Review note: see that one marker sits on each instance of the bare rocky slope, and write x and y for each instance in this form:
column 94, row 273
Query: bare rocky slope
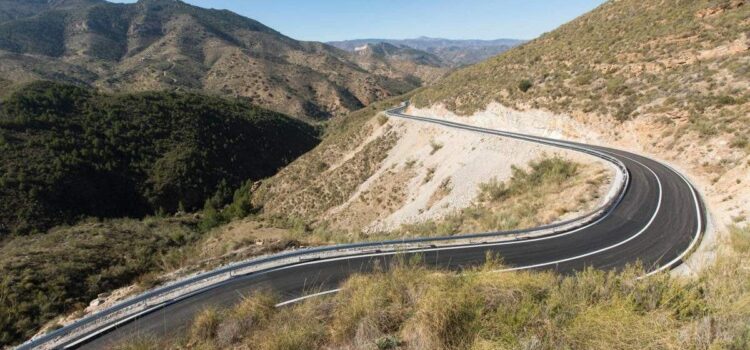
column 170, row 45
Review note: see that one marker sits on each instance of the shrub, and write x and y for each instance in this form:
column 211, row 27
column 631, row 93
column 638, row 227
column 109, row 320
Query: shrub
column 205, row 325
column 525, row 85
column 44, row 276
column 436, row 146
column 740, row 238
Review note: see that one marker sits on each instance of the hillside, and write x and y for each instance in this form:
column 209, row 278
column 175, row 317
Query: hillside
column 400, row 62
column 666, row 78
column 170, row 45
column 69, row 152
column 453, row 52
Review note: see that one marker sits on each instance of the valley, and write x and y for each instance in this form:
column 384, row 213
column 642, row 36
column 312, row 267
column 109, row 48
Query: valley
column 179, row 177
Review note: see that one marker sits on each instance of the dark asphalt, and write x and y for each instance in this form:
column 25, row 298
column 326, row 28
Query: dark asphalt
column 634, row 231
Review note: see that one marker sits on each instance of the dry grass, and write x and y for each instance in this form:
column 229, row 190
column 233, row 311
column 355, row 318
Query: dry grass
column 410, row 307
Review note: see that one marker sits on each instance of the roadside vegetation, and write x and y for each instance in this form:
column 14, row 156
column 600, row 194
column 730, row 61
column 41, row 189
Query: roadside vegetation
column 43, row 276
column 408, row 306
column 58, row 273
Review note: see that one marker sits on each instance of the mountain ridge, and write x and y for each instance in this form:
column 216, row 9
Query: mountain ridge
column 174, row 46
column 456, row 52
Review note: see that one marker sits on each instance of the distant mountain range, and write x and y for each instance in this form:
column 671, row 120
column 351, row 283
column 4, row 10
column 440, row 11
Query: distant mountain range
column 170, row 45
column 452, row 52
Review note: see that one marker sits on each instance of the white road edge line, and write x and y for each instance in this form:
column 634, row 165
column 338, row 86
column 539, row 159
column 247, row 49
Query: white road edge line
column 696, row 201
column 653, row 217
column 296, row 300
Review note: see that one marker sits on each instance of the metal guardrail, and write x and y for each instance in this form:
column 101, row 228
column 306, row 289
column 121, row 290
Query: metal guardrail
column 100, row 322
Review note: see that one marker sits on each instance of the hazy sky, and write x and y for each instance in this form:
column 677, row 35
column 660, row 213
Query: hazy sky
column 326, row 20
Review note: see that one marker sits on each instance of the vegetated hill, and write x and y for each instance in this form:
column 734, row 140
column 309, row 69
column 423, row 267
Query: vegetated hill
column 68, row 152
column 686, row 62
column 170, row 45
column 454, row 52
column 401, row 62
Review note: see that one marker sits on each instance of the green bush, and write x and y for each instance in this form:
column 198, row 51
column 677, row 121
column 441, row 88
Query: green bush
column 525, row 85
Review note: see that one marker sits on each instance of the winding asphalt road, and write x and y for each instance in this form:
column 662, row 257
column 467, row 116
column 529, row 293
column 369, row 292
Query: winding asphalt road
column 657, row 222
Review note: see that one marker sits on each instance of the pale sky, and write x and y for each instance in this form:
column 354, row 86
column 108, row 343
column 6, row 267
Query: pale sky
column 327, row 20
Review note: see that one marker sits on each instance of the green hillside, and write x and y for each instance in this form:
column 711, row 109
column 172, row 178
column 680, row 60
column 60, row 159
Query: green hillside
column 68, row 152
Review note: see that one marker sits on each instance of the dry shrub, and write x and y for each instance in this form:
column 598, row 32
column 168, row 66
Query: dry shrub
column 615, row 325
column 411, row 307
column 251, row 315
column 740, row 239
column 205, row 325
column 445, row 316
column 374, row 306
column 300, row 327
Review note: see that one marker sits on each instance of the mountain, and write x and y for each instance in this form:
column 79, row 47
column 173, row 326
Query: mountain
column 170, row 45
column 454, row 52
column 68, row 152
column 400, row 62
column 626, row 59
